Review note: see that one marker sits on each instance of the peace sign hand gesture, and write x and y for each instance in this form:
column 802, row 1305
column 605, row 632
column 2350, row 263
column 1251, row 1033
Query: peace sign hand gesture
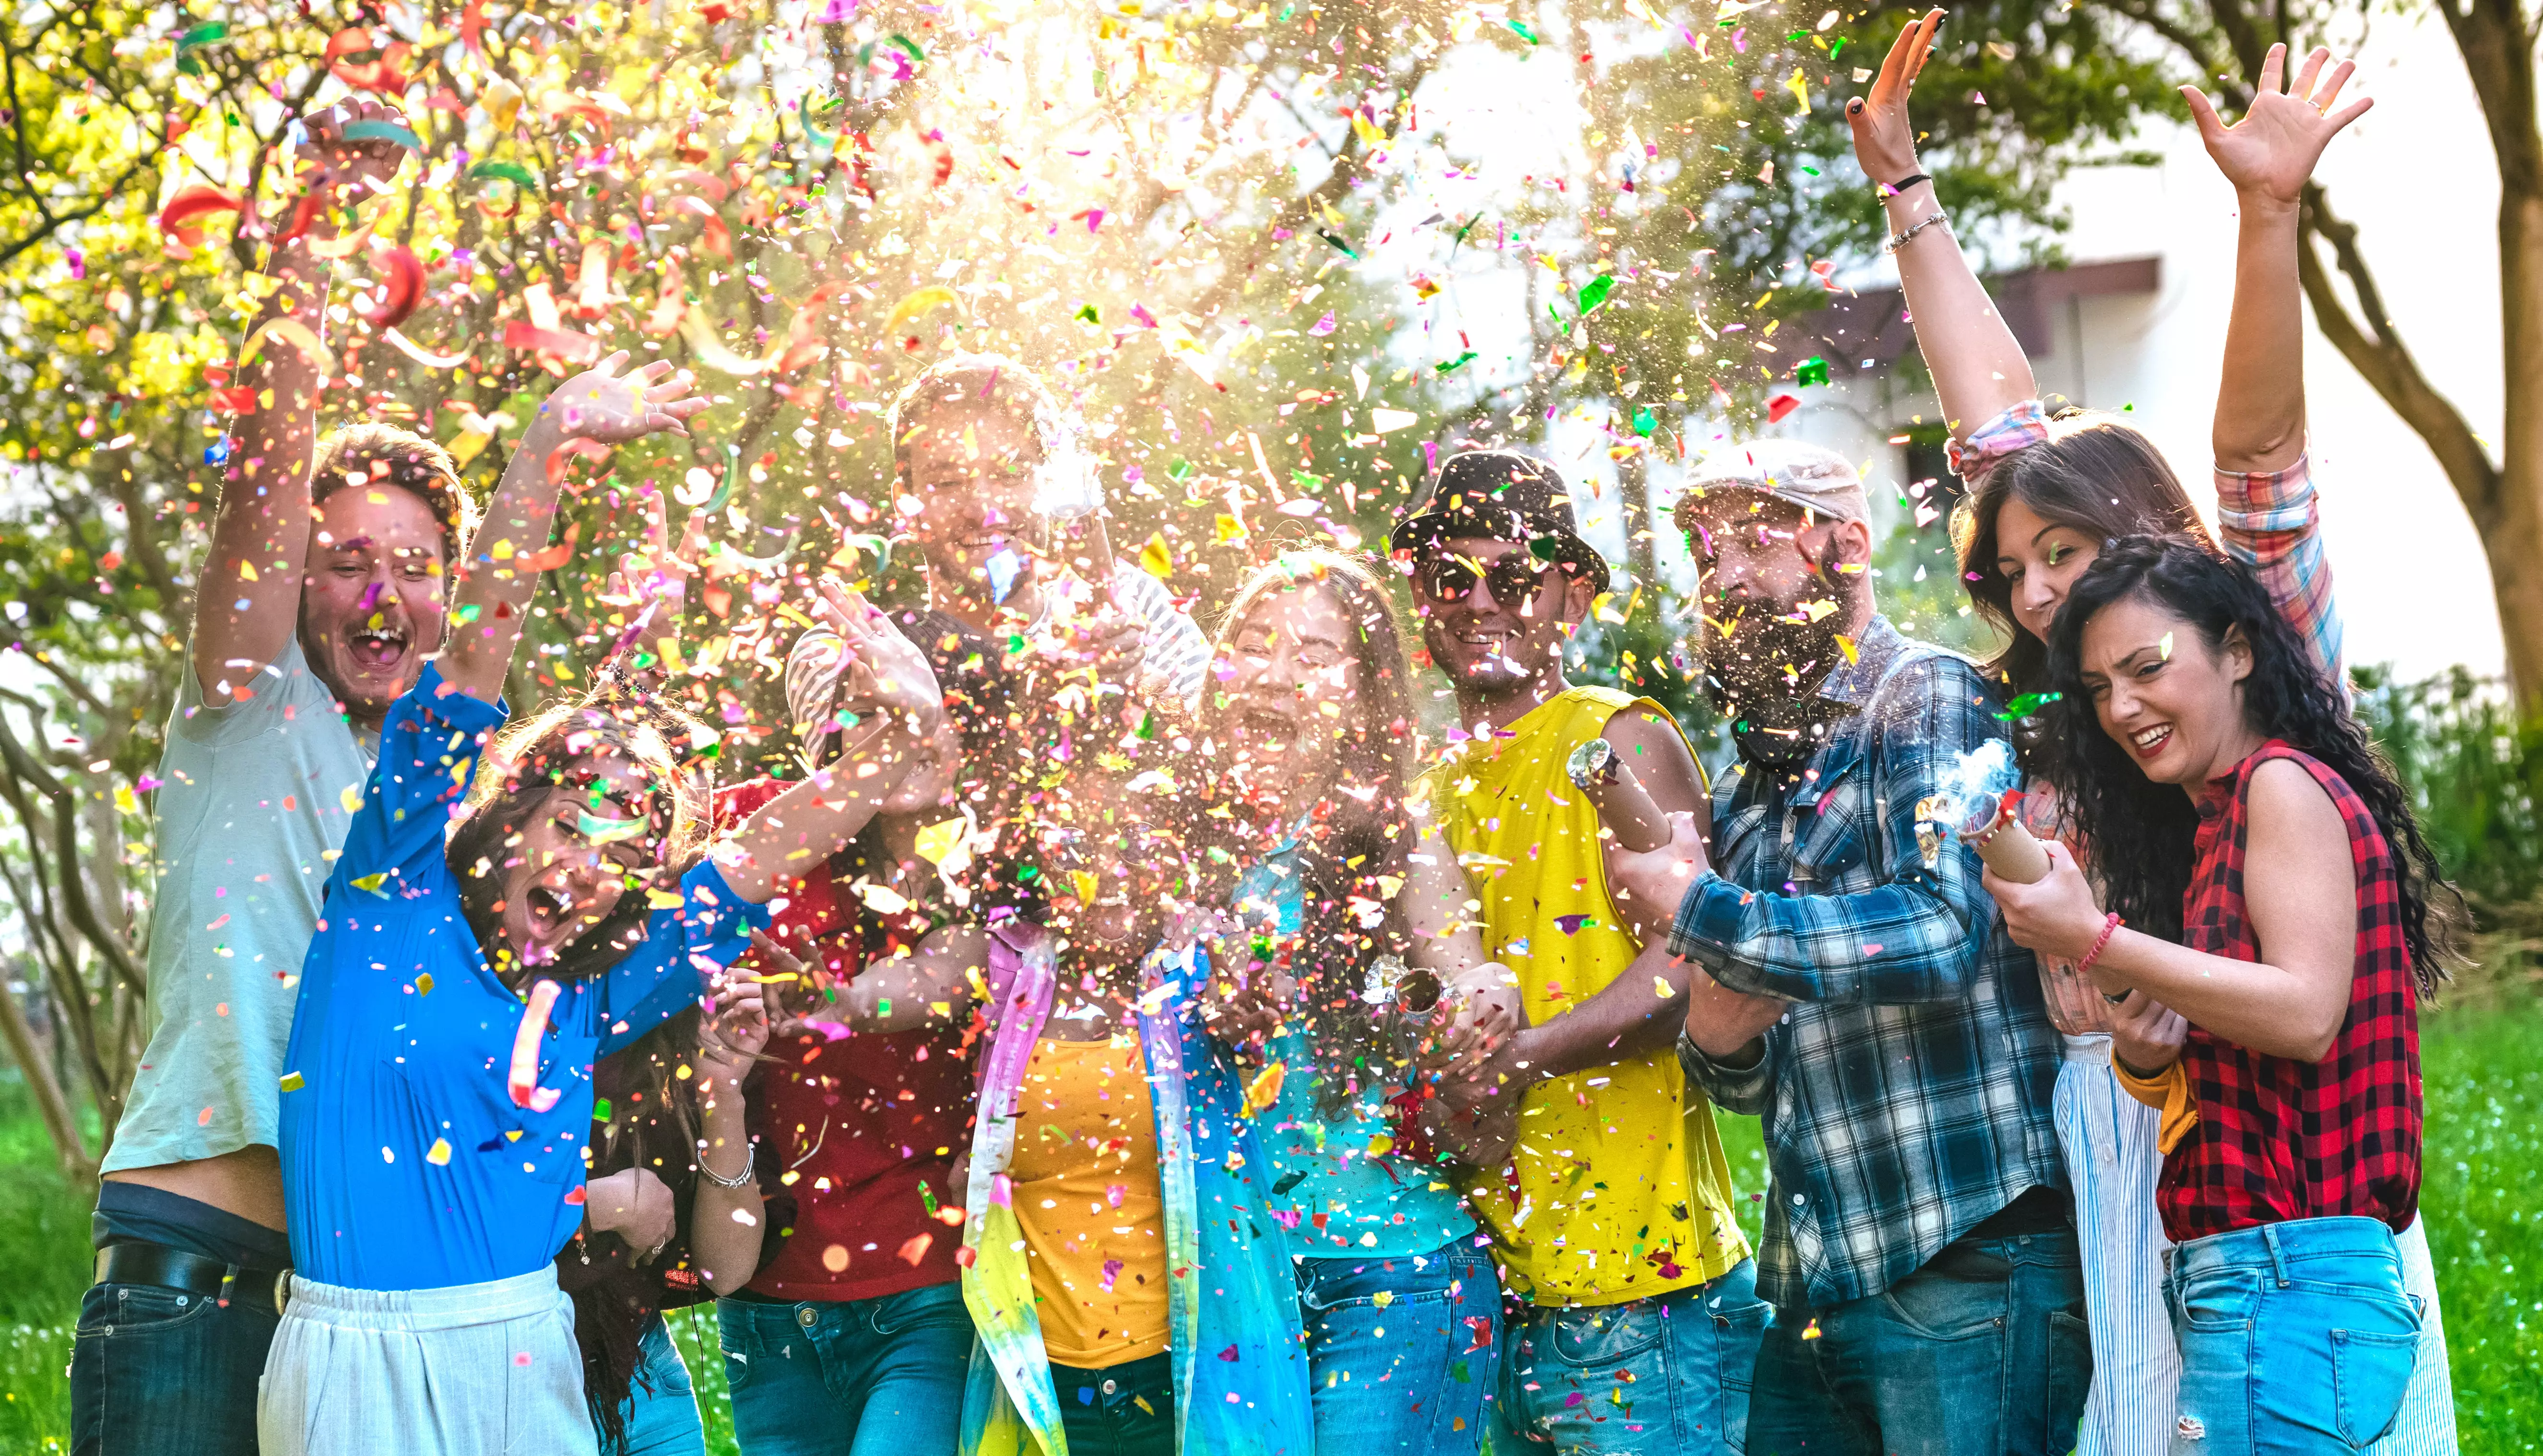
column 2269, row 154
column 1885, row 140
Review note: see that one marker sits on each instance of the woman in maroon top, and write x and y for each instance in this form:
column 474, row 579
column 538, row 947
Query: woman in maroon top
column 2268, row 881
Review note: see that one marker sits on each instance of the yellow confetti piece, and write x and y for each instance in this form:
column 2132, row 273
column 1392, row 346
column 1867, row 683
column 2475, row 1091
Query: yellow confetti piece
column 1265, row 1088
column 1230, row 529
column 1800, row 89
column 424, row 984
column 914, row 303
column 246, row 571
column 1378, row 1147
column 439, row 1156
column 775, row 979
column 937, row 841
column 293, row 1081
column 2167, row 646
column 351, row 797
column 1662, row 988
column 372, row 883
column 1844, row 644
column 1157, row 559
column 1086, row 884
column 663, row 899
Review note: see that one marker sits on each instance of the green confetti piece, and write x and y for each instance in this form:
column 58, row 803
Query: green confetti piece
column 1458, row 363
column 466, row 612
column 1339, row 246
column 1643, row 424
column 910, row 47
column 1837, row 49
column 377, row 130
column 601, row 1110
column 2027, row 705
column 1181, row 470
column 1087, row 314
column 804, row 118
column 1594, row 292
column 511, row 172
column 1810, row 372
column 1525, row 32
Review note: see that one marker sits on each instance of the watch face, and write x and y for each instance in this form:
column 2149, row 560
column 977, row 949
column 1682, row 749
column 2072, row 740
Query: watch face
column 1594, row 762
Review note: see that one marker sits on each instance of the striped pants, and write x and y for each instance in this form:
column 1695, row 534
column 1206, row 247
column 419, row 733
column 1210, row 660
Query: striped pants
column 2108, row 1138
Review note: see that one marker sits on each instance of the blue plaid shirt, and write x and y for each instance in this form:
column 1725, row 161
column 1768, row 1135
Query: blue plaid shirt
column 1906, row 1094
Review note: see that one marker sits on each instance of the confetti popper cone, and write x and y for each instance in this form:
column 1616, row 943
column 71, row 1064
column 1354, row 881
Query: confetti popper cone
column 1624, row 805
column 2009, row 849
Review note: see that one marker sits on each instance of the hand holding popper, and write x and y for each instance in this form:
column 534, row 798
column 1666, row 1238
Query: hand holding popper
column 1625, row 808
column 1977, row 805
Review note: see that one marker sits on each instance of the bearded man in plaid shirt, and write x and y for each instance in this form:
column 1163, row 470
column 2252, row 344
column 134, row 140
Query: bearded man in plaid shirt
column 1919, row 1246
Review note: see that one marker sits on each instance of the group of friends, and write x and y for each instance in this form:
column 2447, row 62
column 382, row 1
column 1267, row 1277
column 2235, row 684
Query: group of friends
column 1108, row 1038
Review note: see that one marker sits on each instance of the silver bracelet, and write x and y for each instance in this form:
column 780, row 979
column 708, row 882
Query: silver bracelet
column 1902, row 240
column 750, row 1171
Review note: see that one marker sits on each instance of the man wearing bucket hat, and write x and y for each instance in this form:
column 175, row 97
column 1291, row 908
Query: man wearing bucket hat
column 1919, row 1246
column 1613, row 1218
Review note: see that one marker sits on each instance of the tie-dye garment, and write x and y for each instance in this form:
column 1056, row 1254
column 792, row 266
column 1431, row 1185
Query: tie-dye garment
column 1239, row 1373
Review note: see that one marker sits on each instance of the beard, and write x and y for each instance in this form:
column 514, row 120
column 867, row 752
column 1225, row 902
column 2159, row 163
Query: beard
column 1764, row 679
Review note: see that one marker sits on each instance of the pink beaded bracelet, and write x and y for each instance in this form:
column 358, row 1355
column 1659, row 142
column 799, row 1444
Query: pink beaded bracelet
column 2109, row 926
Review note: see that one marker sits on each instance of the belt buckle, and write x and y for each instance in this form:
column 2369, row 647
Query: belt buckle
column 281, row 1290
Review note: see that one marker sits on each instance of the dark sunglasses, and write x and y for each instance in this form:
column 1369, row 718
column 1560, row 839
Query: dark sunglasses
column 1512, row 581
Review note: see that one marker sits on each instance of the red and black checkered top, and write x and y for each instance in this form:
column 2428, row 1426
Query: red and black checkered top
column 2278, row 1138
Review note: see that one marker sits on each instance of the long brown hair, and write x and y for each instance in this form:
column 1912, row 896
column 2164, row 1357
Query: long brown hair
column 1360, row 834
column 2094, row 474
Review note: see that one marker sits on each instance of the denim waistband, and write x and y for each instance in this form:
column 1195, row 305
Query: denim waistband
column 2278, row 1247
column 416, row 1310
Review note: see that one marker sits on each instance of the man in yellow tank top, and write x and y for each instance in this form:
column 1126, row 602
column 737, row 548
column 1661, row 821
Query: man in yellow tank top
column 1612, row 1214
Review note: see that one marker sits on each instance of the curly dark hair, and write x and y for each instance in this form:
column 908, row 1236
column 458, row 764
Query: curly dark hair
column 2095, row 473
column 2143, row 834
column 1358, row 838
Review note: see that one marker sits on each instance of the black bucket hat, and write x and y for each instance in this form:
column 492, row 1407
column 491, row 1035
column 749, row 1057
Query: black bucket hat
column 1501, row 495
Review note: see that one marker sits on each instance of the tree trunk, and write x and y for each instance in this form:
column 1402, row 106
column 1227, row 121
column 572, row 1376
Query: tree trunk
column 61, row 1124
column 2511, row 530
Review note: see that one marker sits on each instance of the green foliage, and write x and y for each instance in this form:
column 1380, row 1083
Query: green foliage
column 2476, row 773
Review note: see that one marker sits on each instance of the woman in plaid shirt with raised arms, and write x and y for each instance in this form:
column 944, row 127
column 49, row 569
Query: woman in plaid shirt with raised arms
column 2268, row 883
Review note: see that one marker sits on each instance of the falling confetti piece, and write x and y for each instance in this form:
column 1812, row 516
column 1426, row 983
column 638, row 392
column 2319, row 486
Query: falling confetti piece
column 2027, row 705
column 524, row 1079
column 1265, row 1089
column 1595, row 293
column 511, row 172
column 439, row 1154
column 914, row 303
column 195, row 200
column 378, row 130
column 293, row 1081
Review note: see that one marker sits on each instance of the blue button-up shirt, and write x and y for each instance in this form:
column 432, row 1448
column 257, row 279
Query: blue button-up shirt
column 1906, row 1094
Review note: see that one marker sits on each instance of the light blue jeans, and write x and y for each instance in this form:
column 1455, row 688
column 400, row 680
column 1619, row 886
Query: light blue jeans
column 662, row 1408
column 2294, row 1338
column 865, row 1377
column 1401, row 1350
column 1668, row 1376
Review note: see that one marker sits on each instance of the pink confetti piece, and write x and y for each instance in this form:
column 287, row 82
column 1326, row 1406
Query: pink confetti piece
column 523, row 1081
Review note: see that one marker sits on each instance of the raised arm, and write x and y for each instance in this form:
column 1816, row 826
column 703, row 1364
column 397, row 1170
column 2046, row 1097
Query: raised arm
column 725, row 1213
column 249, row 604
column 2269, row 156
column 596, row 410
column 1980, row 369
column 895, row 701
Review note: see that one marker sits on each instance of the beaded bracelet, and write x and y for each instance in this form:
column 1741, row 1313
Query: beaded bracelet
column 1902, row 240
column 2110, row 927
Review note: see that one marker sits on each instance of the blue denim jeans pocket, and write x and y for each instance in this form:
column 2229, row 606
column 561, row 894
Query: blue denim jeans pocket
column 2293, row 1336
column 155, row 1369
column 1668, row 1374
column 848, row 1378
column 1402, row 1358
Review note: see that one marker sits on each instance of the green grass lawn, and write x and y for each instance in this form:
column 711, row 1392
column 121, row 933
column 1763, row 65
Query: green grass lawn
column 2483, row 1199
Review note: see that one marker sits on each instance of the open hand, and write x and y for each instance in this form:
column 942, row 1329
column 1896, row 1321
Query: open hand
column 1653, row 881
column 2269, row 154
column 325, row 158
column 607, row 407
column 888, row 672
column 655, row 577
column 1885, row 140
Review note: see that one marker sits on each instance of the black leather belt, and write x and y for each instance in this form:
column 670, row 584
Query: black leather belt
column 139, row 1262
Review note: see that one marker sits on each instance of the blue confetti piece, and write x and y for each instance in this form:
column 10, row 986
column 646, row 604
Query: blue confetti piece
column 1004, row 568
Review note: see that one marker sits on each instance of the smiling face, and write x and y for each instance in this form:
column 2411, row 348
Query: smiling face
column 372, row 595
column 970, row 471
column 1493, row 649
column 2164, row 695
column 2039, row 560
column 1290, row 677
column 580, row 850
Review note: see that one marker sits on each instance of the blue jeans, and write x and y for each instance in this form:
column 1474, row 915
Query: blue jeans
column 1401, row 1350
column 1666, row 1376
column 662, row 1408
column 867, row 1377
column 1985, row 1349
column 1125, row 1410
column 2294, row 1338
column 156, row 1369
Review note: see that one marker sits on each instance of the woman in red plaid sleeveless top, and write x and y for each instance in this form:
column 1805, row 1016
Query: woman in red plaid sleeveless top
column 2268, row 881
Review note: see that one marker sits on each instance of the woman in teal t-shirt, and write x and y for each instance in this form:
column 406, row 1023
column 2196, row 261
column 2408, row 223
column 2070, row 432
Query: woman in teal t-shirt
column 1335, row 888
